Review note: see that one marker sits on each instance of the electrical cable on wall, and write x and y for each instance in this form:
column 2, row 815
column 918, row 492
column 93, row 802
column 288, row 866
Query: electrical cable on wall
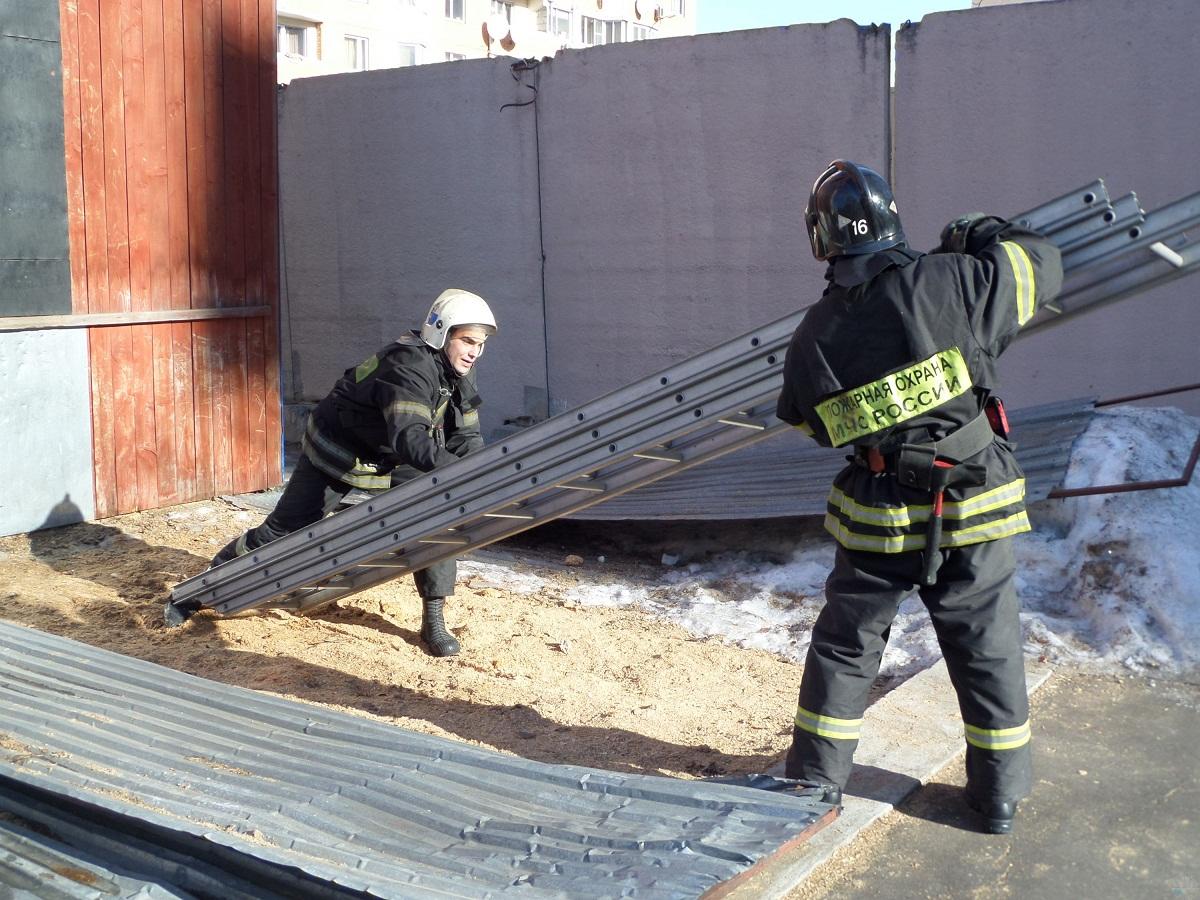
column 516, row 70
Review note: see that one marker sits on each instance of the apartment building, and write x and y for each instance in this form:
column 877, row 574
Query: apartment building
column 320, row 37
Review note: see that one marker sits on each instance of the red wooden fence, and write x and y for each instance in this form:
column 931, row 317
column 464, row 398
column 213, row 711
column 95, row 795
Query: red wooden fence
column 172, row 205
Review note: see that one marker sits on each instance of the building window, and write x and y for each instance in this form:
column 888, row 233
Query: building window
column 293, row 40
column 504, row 8
column 560, row 23
column 454, row 10
column 407, row 55
column 452, row 57
column 356, row 53
column 598, row 31
column 639, row 32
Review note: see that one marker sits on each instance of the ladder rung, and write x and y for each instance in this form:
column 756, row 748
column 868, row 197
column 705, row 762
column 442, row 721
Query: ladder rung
column 443, row 540
column 662, row 455
column 383, row 565
column 497, row 515
column 596, row 486
column 743, row 422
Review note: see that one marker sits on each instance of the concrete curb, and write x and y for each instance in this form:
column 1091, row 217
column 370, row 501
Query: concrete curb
column 908, row 737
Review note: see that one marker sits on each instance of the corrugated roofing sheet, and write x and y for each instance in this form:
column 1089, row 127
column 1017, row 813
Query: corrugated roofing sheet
column 33, row 865
column 362, row 805
column 789, row 475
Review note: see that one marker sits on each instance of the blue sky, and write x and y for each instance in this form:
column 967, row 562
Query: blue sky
column 732, row 15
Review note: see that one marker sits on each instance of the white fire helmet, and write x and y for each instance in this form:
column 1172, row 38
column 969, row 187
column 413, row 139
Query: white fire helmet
column 452, row 308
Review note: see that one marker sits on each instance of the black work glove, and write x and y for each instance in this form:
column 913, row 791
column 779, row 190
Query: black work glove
column 969, row 233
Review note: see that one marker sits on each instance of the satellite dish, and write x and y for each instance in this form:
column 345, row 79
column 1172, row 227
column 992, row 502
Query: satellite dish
column 497, row 27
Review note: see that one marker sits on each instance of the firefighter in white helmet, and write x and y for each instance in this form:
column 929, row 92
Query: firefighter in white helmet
column 408, row 408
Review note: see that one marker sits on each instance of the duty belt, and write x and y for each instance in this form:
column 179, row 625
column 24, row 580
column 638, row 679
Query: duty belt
column 934, row 467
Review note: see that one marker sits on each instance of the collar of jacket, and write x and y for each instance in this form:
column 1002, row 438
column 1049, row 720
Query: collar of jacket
column 850, row 271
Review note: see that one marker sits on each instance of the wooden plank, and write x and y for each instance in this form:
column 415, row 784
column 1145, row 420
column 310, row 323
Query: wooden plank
column 217, row 334
column 154, row 67
column 91, row 122
column 104, row 463
column 133, row 94
column 203, row 406
column 195, row 124
column 113, row 18
column 142, row 317
column 137, row 189
column 124, row 415
column 95, row 253
column 112, row 26
column 166, row 468
column 68, row 13
column 233, row 78
column 269, row 230
column 252, row 149
column 175, row 162
column 182, row 385
column 233, row 74
column 256, row 395
column 220, row 350
column 255, row 351
column 213, row 195
column 178, row 336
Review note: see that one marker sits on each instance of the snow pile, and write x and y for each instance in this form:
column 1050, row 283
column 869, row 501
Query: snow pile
column 1108, row 583
column 1113, row 581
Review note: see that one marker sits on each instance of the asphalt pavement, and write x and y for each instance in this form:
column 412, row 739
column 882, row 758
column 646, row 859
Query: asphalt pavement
column 1115, row 810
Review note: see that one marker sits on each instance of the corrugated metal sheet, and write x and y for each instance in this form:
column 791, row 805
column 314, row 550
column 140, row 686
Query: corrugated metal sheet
column 362, row 805
column 789, row 475
column 33, row 865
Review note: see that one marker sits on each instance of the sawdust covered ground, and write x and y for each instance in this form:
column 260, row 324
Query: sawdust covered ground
column 603, row 687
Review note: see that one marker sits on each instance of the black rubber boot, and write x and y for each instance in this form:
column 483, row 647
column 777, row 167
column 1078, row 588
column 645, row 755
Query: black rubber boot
column 433, row 629
column 228, row 552
column 997, row 815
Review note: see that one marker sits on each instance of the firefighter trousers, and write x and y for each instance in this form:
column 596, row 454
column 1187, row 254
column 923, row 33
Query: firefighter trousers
column 974, row 610
column 308, row 497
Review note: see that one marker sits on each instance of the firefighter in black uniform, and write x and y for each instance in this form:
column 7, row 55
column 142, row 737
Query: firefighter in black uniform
column 897, row 363
column 408, row 409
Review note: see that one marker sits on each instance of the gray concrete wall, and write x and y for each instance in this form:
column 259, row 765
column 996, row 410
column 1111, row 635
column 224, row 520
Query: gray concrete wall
column 45, row 408
column 395, row 185
column 674, row 179
column 1002, row 108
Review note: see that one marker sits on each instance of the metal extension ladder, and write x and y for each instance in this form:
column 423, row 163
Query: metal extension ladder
column 708, row 405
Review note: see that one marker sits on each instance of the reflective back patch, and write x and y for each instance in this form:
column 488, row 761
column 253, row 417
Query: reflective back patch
column 895, row 398
column 364, row 369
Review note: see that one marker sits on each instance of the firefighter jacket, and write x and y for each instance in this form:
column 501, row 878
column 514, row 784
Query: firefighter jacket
column 400, row 412
column 901, row 349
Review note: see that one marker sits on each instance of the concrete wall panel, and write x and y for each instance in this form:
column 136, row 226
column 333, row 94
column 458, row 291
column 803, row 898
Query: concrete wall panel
column 395, row 185
column 46, row 454
column 1002, row 108
column 674, row 179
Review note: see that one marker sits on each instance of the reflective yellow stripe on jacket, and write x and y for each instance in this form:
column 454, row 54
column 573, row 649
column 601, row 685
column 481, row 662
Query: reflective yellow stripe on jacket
column 337, row 462
column 1026, row 282
column 993, row 514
